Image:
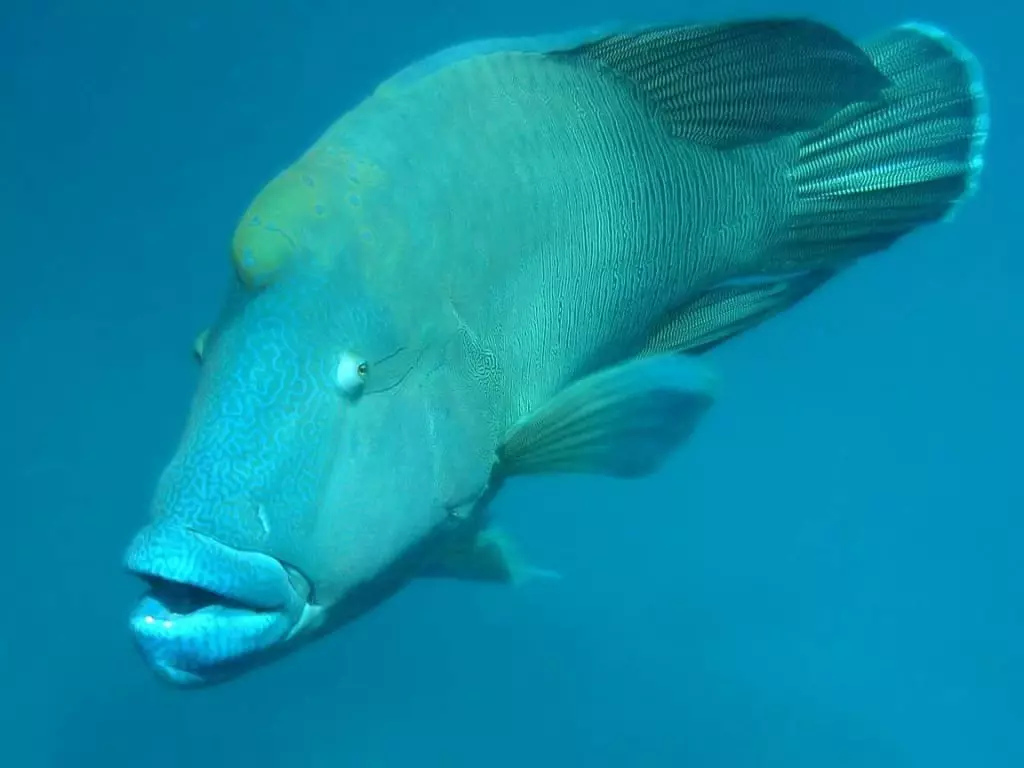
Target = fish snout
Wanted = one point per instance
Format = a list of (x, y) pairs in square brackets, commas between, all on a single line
[(211, 610)]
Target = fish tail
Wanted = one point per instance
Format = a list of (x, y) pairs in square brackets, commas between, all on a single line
[(879, 169)]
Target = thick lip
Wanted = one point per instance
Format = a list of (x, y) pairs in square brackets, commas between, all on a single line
[(185, 556), (207, 646), (211, 610)]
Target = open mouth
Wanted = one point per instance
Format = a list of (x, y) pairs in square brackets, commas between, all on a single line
[(182, 599), (210, 609)]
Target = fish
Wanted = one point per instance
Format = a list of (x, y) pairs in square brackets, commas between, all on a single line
[(510, 259)]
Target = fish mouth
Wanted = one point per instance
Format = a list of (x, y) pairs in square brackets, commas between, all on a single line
[(211, 611)]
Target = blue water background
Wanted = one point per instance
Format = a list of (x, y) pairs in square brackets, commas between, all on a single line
[(830, 574)]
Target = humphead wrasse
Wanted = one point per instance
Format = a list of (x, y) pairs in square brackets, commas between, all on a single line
[(508, 260)]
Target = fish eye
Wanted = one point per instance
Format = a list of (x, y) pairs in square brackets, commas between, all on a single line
[(351, 374)]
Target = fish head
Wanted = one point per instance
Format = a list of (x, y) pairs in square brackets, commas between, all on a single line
[(312, 466)]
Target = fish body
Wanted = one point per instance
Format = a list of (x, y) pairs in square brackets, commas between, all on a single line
[(506, 261)]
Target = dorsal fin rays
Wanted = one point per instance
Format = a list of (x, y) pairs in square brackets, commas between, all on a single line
[(707, 81)]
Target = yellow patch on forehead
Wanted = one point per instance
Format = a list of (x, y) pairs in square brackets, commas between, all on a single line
[(293, 216)]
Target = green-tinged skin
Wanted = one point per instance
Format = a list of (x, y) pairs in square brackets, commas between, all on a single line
[(553, 240), (488, 268)]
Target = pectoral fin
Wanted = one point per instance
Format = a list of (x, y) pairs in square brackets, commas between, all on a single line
[(488, 556), (622, 421)]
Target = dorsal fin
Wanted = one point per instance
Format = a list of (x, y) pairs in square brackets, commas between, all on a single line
[(726, 85)]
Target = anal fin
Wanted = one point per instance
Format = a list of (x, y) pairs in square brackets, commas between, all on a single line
[(727, 310)]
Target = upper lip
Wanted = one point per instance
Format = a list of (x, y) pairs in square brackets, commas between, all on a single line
[(266, 585), (210, 605)]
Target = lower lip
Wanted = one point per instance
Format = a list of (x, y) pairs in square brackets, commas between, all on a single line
[(189, 648)]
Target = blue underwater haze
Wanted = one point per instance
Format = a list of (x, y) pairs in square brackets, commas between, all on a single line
[(830, 573)]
